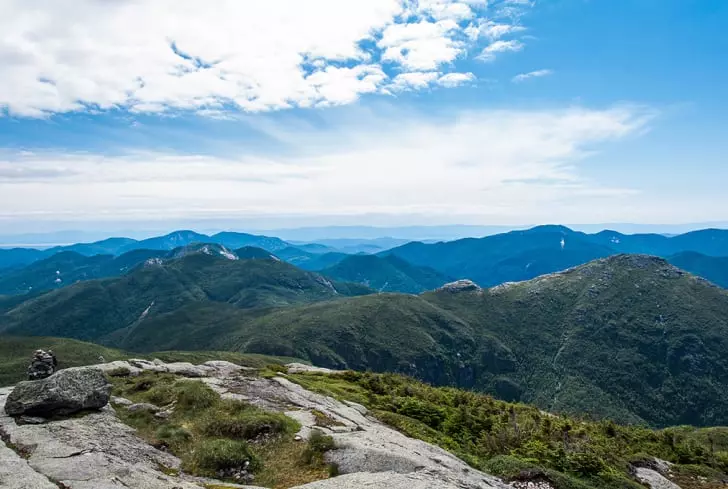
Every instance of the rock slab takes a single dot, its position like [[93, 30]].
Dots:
[[66, 392]]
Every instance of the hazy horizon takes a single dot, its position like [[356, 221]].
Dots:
[[305, 234]]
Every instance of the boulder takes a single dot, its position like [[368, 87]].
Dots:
[[65, 392], [653, 479], [121, 401]]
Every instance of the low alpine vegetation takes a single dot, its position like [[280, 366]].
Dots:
[[516, 441], [221, 438]]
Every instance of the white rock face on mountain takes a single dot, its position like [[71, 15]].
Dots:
[[97, 451], [460, 286], [654, 479]]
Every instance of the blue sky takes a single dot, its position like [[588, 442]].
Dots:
[[365, 112]]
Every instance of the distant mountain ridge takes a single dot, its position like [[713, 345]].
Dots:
[[489, 261], [193, 280], [68, 267], [386, 274], [16, 257], [522, 255]]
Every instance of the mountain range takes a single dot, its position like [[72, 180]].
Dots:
[[489, 261], [521, 255], [629, 337], [594, 324]]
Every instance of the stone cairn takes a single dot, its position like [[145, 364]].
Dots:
[[42, 365]]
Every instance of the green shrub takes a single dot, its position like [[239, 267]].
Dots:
[[160, 394], [317, 445], [697, 471], [426, 412], [323, 419], [585, 463], [173, 435], [506, 466], [194, 396], [220, 454], [247, 425]]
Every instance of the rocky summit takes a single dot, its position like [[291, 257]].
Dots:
[[98, 451]]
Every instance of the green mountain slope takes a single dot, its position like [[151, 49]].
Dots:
[[518, 255], [18, 257], [629, 337], [308, 260], [68, 267], [386, 274], [522, 255], [713, 268], [96, 309]]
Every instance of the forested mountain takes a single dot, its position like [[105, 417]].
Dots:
[[630, 337], [508, 257], [386, 274], [522, 255], [713, 268], [68, 267], [198, 280]]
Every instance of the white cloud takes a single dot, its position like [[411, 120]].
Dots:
[[421, 46], [492, 50], [510, 165], [151, 56], [494, 30], [455, 79], [419, 80], [533, 74], [414, 81]]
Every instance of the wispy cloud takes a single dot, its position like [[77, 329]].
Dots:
[[510, 164], [533, 74], [491, 51], [251, 56]]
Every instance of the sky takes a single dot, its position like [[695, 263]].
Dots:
[[131, 114]]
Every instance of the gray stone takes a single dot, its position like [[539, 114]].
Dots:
[[95, 451], [32, 420], [362, 410], [15, 473], [120, 401], [118, 366], [42, 365], [186, 369], [143, 406], [65, 392], [389, 480], [223, 368], [654, 479], [297, 368]]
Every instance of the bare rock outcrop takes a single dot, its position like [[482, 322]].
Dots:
[[460, 286], [65, 392], [98, 451]]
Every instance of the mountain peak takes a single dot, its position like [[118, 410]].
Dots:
[[211, 249]]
